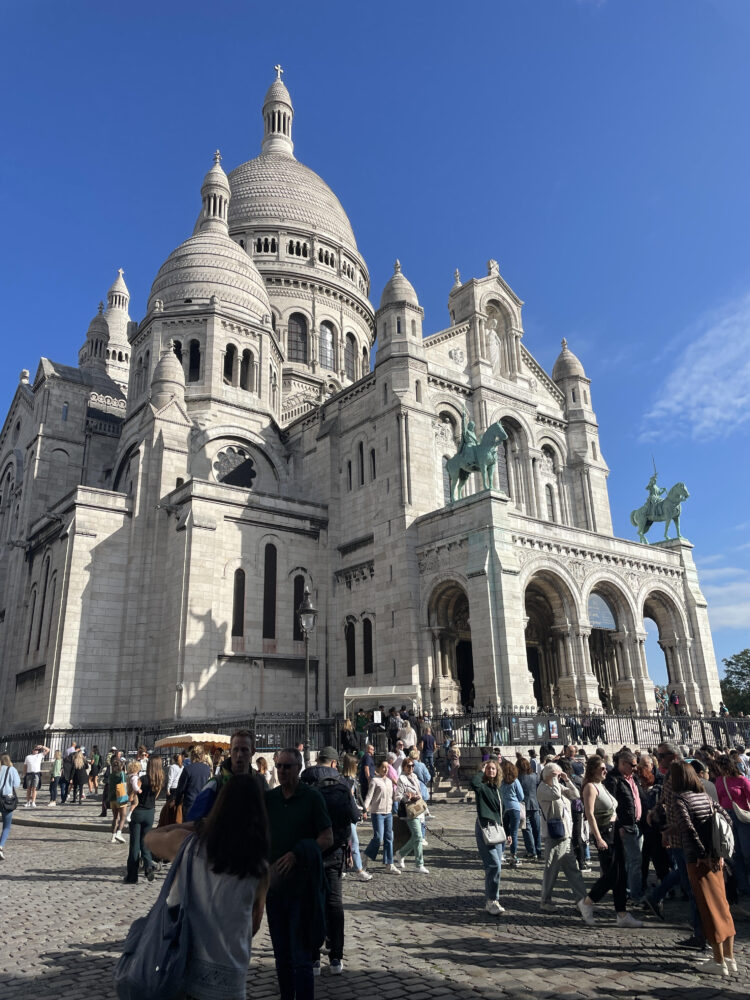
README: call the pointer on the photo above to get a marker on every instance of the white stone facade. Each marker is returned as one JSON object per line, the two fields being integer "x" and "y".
{"x": 163, "y": 504}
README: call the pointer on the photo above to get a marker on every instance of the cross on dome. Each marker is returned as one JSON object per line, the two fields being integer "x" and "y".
{"x": 279, "y": 71}
{"x": 397, "y": 267}
{"x": 217, "y": 157}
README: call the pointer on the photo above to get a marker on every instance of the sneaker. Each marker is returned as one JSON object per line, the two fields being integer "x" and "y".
{"x": 337, "y": 968}
{"x": 119, "y": 838}
{"x": 27, "y": 805}
{"x": 548, "y": 906}
{"x": 316, "y": 968}
{"x": 51, "y": 805}
{"x": 493, "y": 906}
{"x": 114, "y": 838}
{"x": 699, "y": 957}
{"x": 421, "y": 870}
{"x": 731, "y": 964}
{"x": 586, "y": 870}
{"x": 656, "y": 907}
{"x": 399, "y": 861}
{"x": 587, "y": 912}
{"x": 713, "y": 968}
{"x": 628, "y": 920}
{"x": 363, "y": 876}
{"x": 2, "y": 857}
{"x": 393, "y": 868}
{"x": 424, "y": 843}
{"x": 692, "y": 943}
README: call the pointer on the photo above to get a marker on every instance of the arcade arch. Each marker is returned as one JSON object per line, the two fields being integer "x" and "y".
{"x": 550, "y": 609}
{"x": 662, "y": 609}
{"x": 448, "y": 617}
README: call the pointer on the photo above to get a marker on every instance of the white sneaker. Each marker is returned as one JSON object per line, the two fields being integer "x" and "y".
{"x": 421, "y": 870}
{"x": 27, "y": 805}
{"x": 2, "y": 858}
{"x": 716, "y": 969}
{"x": 119, "y": 838}
{"x": 628, "y": 920}
{"x": 51, "y": 805}
{"x": 33, "y": 805}
{"x": 393, "y": 868}
{"x": 587, "y": 912}
{"x": 493, "y": 906}
{"x": 731, "y": 964}
{"x": 114, "y": 838}
{"x": 424, "y": 843}
{"x": 337, "y": 968}
{"x": 316, "y": 968}
{"x": 363, "y": 876}
{"x": 399, "y": 861}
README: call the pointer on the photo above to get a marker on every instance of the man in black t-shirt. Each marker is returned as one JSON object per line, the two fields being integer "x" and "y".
{"x": 427, "y": 746}
{"x": 366, "y": 769}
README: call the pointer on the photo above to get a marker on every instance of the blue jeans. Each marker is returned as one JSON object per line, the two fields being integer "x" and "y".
{"x": 429, "y": 760}
{"x": 492, "y": 859}
{"x": 354, "y": 842}
{"x": 7, "y": 819}
{"x": 632, "y": 844}
{"x": 511, "y": 821}
{"x": 54, "y": 782}
{"x": 741, "y": 857}
{"x": 382, "y": 833}
{"x": 293, "y": 959}
{"x": 532, "y": 835}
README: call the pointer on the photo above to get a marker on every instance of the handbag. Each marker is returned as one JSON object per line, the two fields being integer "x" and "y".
{"x": 743, "y": 815}
{"x": 155, "y": 954}
{"x": 8, "y": 802}
{"x": 416, "y": 808}
{"x": 494, "y": 833}
{"x": 121, "y": 793}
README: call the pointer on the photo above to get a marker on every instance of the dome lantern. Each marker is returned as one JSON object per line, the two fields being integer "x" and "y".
{"x": 215, "y": 194}
{"x": 118, "y": 297}
{"x": 278, "y": 115}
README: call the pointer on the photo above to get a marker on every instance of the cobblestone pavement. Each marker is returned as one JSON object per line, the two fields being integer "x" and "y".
{"x": 66, "y": 913}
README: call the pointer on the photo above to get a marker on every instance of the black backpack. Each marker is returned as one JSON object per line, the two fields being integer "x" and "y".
{"x": 340, "y": 805}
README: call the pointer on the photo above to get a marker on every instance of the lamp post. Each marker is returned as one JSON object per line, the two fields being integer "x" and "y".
{"x": 307, "y": 615}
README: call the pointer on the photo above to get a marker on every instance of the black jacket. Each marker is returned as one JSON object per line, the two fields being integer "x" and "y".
{"x": 616, "y": 785}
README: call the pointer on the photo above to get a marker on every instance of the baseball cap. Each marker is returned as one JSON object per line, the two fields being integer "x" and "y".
{"x": 328, "y": 753}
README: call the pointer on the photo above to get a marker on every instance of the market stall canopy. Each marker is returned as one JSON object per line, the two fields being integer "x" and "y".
{"x": 371, "y": 697}
{"x": 187, "y": 739}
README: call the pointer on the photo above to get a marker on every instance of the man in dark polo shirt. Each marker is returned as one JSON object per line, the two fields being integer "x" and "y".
{"x": 300, "y": 829}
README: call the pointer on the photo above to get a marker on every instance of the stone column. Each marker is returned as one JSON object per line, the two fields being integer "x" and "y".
{"x": 535, "y": 459}
{"x": 587, "y": 684}
{"x": 625, "y": 687}
{"x": 566, "y": 683}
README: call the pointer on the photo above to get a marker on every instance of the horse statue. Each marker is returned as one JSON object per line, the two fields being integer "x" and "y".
{"x": 479, "y": 457}
{"x": 666, "y": 510}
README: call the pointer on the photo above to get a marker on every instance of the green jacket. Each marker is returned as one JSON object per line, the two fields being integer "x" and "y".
{"x": 489, "y": 804}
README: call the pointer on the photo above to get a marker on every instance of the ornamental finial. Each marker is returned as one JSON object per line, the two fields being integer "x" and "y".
{"x": 397, "y": 267}
{"x": 279, "y": 71}
{"x": 217, "y": 157}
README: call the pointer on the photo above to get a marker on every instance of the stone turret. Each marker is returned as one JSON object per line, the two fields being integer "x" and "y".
{"x": 278, "y": 115}
{"x": 399, "y": 319}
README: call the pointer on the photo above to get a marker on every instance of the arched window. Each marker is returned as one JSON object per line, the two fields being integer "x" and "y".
{"x": 299, "y": 592}
{"x": 247, "y": 372}
{"x": 326, "y": 346}
{"x": 367, "y": 645}
{"x": 32, "y": 612}
{"x": 549, "y": 494}
{"x": 238, "y": 604}
{"x": 230, "y": 358}
{"x": 365, "y": 362}
{"x": 350, "y": 357}
{"x": 372, "y": 463}
{"x": 593, "y": 449}
{"x": 297, "y": 338}
{"x": 64, "y": 412}
{"x": 194, "y": 361}
{"x": 351, "y": 653}
{"x": 446, "y": 482}
{"x": 177, "y": 348}
{"x": 361, "y": 464}
{"x": 269, "y": 592}
{"x": 43, "y": 591}
{"x": 418, "y": 391}
{"x": 349, "y": 475}
{"x": 51, "y": 604}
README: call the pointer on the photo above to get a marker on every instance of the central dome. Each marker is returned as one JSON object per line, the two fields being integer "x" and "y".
{"x": 274, "y": 189}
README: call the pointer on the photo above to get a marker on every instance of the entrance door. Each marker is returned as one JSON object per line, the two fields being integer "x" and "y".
{"x": 465, "y": 671}
{"x": 533, "y": 661}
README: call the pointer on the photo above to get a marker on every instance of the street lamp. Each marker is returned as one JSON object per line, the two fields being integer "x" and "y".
{"x": 307, "y": 615}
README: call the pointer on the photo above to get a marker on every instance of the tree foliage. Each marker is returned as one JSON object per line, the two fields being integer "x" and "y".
{"x": 735, "y": 686}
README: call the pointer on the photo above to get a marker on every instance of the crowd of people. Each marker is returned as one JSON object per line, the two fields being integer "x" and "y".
{"x": 559, "y": 811}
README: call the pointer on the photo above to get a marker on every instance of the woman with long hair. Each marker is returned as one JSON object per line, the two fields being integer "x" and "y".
{"x": 532, "y": 833}
{"x": 10, "y": 780}
{"x": 79, "y": 777}
{"x": 694, "y": 810}
{"x": 142, "y": 819}
{"x": 379, "y": 804}
{"x": 54, "y": 777}
{"x": 486, "y": 786}
{"x": 118, "y": 796}
{"x": 96, "y": 766}
{"x": 230, "y": 849}
{"x": 261, "y": 766}
{"x": 349, "y": 773}
{"x": 511, "y": 793}
{"x": 348, "y": 737}
{"x": 600, "y": 808}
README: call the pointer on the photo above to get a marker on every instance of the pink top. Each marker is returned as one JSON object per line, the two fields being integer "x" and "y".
{"x": 735, "y": 790}
{"x": 636, "y": 795}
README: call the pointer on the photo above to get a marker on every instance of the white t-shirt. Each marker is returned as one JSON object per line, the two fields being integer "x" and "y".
{"x": 33, "y": 763}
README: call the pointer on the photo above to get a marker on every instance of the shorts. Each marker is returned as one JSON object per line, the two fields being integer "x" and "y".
{"x": 32, "y": 780}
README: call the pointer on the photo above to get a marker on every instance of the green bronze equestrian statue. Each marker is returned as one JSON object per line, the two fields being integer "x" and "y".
{"x": 659, "y": 508}
{"x": 474, "y": 456}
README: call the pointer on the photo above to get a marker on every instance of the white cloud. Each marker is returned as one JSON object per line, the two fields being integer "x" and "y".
{"x": 729, "y": 603}
{"x": 707, "y": 392}
{"x": 722, "y": 573}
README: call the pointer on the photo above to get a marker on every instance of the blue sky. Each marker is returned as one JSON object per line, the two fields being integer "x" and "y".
{"x": 599, "y": 150}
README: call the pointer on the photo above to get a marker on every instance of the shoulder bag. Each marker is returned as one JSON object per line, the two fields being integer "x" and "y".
{"x": 8, "y": 802}
{"x": 555, "y": 827}
{"x": 743, "y": 815}
{"x": 155, "y": 954}
{"x": 415, "y": 808}
{"x": 494, "y": 833}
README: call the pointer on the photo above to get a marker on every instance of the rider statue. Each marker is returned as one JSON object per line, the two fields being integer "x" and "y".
{"x": 468, "y": 434}
{"x": 655, "y": 494}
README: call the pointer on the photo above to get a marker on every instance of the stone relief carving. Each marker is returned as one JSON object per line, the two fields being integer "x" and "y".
{"x": 441, "y": 556}
{"x": 355, "y": 574}
{"x": 457, "y": 355}
{"x": 443, "y": 434}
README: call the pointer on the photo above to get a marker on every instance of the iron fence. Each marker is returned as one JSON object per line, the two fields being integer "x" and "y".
{"x": 272, "y": 732}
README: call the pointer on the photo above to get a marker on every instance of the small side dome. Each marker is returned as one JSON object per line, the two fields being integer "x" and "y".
{"x": 398, "y": 289}
{"x": 98, "y": 327}
{"x": 168, "y": 379}
{"x": 567, "y": 365}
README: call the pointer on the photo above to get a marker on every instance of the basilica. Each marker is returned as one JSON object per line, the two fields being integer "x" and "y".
{"x": 263, "y": 430}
